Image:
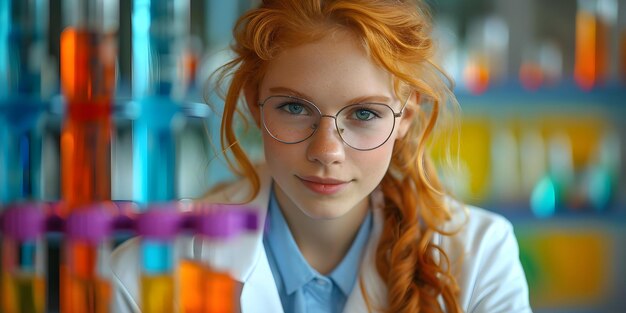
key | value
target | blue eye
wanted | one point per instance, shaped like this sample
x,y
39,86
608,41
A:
x,y
293,108
364,115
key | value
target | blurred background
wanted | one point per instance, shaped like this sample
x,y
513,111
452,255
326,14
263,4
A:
x,y
541,84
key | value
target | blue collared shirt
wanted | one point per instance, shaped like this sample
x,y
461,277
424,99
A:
x,y
302,288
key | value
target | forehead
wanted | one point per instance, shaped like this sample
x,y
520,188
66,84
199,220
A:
x,y
333,70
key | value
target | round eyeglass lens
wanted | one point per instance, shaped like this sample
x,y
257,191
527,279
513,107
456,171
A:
x,y
288,119
365,126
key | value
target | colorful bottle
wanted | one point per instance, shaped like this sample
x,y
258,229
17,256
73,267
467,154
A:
x,y
85,271
23,259
24,95
206,286
158,228
595,20
88,58
159,30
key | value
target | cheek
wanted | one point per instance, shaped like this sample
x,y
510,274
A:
x,y
277,153
375,162
269,147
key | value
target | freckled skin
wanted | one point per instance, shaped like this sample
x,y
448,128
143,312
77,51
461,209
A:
x,y
331,71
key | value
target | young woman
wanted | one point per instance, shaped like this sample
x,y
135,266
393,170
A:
x,y
347,97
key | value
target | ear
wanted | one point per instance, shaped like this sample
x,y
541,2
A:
x,y
252,100
407,115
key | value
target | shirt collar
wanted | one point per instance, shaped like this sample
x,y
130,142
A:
x,y
293,267
345,274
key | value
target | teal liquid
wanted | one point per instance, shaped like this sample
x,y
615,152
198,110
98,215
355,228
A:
x,y
154,151
21,140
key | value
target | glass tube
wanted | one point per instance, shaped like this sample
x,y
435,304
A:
x,y
88,58
159,31
158,228
85,271
24,93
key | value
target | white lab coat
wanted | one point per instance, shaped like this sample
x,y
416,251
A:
x,y
483,255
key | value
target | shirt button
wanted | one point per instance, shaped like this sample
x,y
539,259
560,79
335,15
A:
x,y
320,282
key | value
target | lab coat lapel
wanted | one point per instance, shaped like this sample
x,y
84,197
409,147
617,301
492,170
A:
x,y
243,253
374,286
259,293
249,263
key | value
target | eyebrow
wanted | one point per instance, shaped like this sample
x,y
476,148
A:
x,y
360,99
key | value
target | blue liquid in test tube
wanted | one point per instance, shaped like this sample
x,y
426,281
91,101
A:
x,y
158,228
23,46
158,28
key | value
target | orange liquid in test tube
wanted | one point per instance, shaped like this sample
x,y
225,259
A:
x,y
85,149
87,65
88,78
84,273
220,292
203,290
84,290
190,274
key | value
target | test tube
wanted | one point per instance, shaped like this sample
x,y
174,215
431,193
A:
x,y
206,286
23,259
158,228
85,270
88,58
24,92
159,31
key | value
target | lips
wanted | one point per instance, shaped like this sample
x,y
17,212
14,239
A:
x,y
324,186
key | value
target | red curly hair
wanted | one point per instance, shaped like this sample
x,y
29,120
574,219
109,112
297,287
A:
x,y
396,35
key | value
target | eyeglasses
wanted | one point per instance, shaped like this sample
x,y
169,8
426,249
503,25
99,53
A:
x,y
362,126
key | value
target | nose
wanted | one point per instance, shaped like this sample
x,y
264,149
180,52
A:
x,y
326,146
